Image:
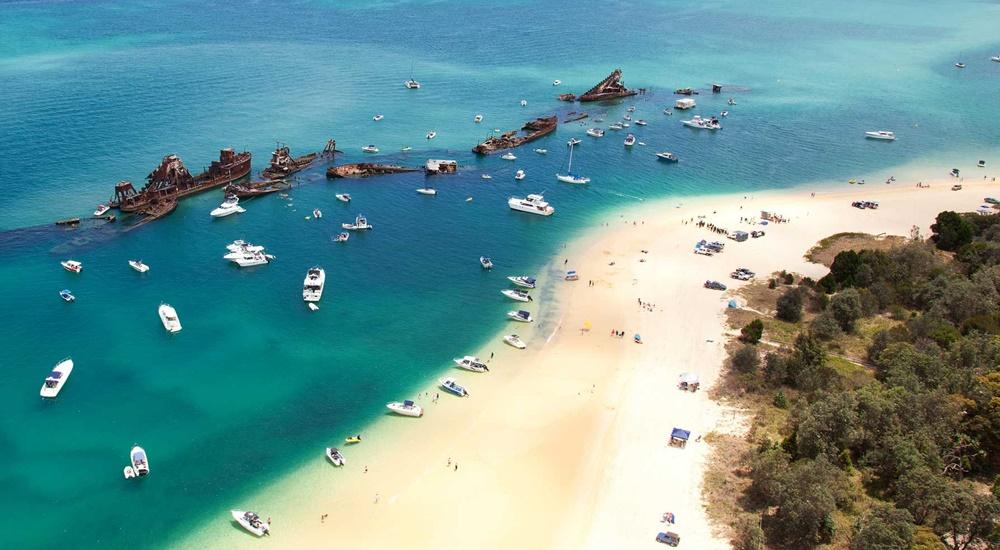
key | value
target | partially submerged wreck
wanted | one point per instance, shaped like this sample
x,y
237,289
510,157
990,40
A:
x,y
256,188
438,166
283,165
609,88
508,140
365,170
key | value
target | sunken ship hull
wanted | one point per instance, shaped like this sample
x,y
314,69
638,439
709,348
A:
x,y
365,170
609,88
533,130
283,164
252,189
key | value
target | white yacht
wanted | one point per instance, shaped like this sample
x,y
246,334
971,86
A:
x,y
451,386
667,156
520,316
471,363
541,151
228,207
615,126
595,132
57,378
378,117
140,462
572,142
569,176
168,316
519,175
427,191
249,259
343,197
360,224
477,119
312,287
508,156
519,295
881,134
406,408
412,84
239,247
629,140
335,456
514,340
138,266
523,281
432,134
556,82
72,266
532,204
252,522
102,209
369,149
699,123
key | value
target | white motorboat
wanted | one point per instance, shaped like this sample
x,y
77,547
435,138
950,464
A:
x,y
335,456
66,295
615,126
724,113
57,378
667,156
406,149
995,58
378,117
477,119
508,156
485,262
168,316
432,134
252,522
524,103
72,266
631,109
138,266
629,140
343,197
240,245
541,151
731,101
569,176
625,125
471,363
881,134
486,177
360,224
312,286
627,117
312,306
556,82
668,111
412,84
523,281
640,122
515,341
140,462
317,213
451,386
369,149
960,65
519,175
595,132
406,408
574,141
427,191
520,316
341,237
249,259
532,204
519,295
699,123
228,207
129,472
102,209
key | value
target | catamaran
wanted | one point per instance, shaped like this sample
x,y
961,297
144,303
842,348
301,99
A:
x,y
520,316
471,363
532,204
519,295
523,281
168,316
57,378
449,385
252,522
570,177
406,408
312,287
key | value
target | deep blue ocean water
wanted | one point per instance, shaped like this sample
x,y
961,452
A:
x,y
92,93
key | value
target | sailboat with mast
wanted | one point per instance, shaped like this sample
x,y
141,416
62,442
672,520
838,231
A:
x,y
412,84
570,177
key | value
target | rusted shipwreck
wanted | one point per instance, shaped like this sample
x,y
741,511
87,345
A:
x,y
171,181
365,170
283,164
508,140
611,87
256,188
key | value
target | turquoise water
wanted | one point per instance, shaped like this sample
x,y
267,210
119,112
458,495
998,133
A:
x,y
93,93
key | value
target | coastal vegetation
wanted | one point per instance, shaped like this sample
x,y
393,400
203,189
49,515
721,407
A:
x,y
874,397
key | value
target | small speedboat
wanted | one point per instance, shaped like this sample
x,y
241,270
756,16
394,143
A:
x,y
369,149
881,134
353,440
616,126
477,119
699,123
471,363
360,224
519,295
667,156
574,141
341,237
631,109
486,177
138,266
627,117
431,135
335,456
524,103
515,341
343,197
168,316
406,408
252,522
485,262
102,209
72,266
541,151
556,82
731,101
317,213
523,281
960,65
508,156
412,84
519,175
140,462
520,316
449,385
629,140
378,117
57,378
724,113
595,132
312,306
995,58
427,191
406,149
66,295
640,122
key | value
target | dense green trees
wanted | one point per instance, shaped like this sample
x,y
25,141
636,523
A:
x,y
884,527
789,307
951,231
752,332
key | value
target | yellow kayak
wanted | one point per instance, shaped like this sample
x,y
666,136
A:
x,y
353,439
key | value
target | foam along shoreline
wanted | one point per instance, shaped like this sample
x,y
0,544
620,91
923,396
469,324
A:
x,y
565,444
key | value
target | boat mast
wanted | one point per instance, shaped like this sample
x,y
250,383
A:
x,y
569,169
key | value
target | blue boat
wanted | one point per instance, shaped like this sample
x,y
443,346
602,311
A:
x,y
449,385
66,295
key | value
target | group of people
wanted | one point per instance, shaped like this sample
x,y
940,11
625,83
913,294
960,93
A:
x,y
712,227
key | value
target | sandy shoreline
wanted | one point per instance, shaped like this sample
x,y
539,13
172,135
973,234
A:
x,y
564,444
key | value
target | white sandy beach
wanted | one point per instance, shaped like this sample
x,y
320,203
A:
x,y
564,445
